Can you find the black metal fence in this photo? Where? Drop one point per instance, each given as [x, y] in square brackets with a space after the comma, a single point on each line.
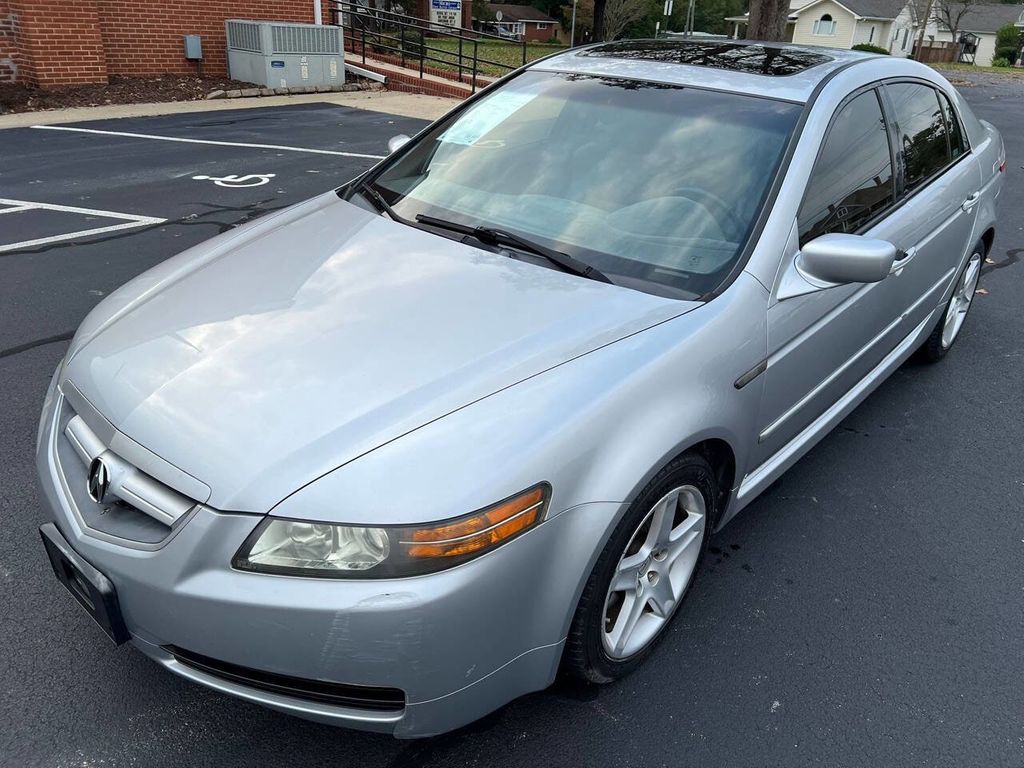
[407, 38]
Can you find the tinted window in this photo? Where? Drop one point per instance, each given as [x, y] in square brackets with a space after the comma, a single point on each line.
[852, 180]
[656, 185]
[922, 147]
[957, 143]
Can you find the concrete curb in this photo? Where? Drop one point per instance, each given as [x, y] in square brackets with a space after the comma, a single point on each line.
[405, 104]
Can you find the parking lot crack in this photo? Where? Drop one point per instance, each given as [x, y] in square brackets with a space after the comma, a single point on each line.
[10, 351]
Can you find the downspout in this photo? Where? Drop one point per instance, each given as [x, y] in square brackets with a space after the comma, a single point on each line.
[318, 12]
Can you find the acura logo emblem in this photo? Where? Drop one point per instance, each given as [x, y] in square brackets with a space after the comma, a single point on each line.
[99, 480]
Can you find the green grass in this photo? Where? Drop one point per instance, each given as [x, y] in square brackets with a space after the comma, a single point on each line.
[509, 54]
[1011, 71]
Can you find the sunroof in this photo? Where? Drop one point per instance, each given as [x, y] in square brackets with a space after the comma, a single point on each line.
[737, 57]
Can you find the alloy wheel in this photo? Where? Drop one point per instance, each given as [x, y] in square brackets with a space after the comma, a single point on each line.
[653, 572]
[963, 295]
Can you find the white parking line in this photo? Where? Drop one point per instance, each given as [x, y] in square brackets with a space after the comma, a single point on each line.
[209, 141]
[130, 220]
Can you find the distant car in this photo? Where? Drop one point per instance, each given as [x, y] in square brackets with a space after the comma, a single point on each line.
[395, 456]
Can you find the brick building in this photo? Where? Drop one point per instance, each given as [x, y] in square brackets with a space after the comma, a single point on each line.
[57, 42]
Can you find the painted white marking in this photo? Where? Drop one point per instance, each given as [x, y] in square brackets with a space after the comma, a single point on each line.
[130, 220]
[238, 182]
[208, 141]
[16, 208]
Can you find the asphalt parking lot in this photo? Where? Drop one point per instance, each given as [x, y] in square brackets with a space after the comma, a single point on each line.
[868, 609]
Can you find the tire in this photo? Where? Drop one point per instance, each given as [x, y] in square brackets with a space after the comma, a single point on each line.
[947, 329]
[654, 565]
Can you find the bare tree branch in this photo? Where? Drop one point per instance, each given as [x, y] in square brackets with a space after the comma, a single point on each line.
[619, 14]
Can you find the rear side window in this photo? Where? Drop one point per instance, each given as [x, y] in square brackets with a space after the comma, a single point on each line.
[852, 180]
[957, 143]
[923, 145]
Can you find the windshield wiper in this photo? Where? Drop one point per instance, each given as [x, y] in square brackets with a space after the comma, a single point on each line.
[495, 236]
[378, 199]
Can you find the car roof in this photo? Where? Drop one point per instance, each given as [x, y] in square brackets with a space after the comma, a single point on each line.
[776, 70]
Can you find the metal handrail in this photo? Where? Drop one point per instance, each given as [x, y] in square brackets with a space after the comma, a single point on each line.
[345, 13]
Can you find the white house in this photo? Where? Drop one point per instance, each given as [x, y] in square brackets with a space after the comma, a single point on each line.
[984, 21]
[889, 24]
[836, 23]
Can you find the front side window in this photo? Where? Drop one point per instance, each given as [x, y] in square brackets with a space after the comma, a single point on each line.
[852, 179]
[922, 147]
[656, 185]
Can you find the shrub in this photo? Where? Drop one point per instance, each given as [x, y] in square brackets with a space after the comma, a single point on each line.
[869, 48]
[1007, 43]
[553, 40]
[1002, 61]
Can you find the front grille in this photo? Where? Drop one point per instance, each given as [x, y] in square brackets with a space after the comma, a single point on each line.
[338, 694]
[138, 508]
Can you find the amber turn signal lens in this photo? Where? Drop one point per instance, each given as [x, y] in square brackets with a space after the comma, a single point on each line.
[482, 530]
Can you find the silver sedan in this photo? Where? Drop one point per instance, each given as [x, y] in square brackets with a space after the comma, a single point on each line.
[399, 454]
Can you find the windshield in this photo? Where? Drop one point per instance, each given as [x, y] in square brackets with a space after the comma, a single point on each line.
[657, 186]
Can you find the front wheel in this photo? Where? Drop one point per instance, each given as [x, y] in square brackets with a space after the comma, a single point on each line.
[644, 572]
[952, 320]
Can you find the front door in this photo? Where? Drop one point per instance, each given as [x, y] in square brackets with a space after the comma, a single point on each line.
[821, 343]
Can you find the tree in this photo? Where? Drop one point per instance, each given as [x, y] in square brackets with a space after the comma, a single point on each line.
[768, 20]
[584, 19]
[597, 28]
[1008, 43]
[951, 15]
[619, 14]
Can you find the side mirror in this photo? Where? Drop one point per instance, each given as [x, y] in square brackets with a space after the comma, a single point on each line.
[395, 143]
[836, 258]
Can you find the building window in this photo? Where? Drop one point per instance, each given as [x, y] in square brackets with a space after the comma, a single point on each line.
[824, 26]
[906, 36]
[542, 26]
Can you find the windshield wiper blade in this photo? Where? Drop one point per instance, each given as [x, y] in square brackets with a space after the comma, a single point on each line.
[378, 199]
[495, 236]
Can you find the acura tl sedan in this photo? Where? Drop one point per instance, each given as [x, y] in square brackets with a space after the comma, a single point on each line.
[396, 455]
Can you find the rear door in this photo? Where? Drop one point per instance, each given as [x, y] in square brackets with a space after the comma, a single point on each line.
[940, 188]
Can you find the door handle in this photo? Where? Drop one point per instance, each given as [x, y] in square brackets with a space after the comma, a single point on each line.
[971, 201]
[902, 259]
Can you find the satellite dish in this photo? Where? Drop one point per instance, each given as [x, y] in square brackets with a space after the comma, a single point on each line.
[497, 15]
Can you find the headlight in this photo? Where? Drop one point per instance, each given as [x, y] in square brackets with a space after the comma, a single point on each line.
[302, 548]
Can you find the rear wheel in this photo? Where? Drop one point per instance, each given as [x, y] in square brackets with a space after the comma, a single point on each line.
[644, 572]
[948, 328]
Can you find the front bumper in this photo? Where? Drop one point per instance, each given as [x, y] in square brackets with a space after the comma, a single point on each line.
[458, 643]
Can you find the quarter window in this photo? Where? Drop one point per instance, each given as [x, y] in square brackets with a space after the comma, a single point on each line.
[922, 148]
[852, 180]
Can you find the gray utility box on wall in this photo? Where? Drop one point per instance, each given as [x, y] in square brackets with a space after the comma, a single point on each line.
[277, 55]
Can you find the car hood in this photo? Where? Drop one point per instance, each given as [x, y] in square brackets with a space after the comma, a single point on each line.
[270, 356]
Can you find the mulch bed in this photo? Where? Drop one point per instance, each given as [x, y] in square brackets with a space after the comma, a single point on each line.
[15, 97]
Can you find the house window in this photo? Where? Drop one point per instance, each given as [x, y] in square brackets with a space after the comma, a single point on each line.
[542, 26]
[824, 26]
[906, 36]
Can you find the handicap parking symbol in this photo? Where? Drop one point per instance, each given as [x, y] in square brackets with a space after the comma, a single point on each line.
[238, 182]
